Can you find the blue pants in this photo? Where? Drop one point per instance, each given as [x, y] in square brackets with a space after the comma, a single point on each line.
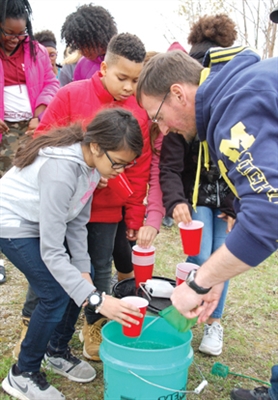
[214, 235]
[53, 320]
[273, 390]
[101, 239]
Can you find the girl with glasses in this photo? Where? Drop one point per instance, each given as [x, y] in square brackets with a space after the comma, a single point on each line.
[45, 237]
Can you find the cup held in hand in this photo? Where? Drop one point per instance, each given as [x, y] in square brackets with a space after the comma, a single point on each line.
[142, 304]
[191, 237]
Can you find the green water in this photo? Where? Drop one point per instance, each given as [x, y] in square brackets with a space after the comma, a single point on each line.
[146, 345]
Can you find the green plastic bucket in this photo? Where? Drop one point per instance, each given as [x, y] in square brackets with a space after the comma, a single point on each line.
[151, 367]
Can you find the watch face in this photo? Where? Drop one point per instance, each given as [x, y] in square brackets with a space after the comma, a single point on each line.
[94, 299]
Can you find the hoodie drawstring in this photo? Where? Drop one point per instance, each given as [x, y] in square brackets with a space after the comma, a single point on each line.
[203, 145]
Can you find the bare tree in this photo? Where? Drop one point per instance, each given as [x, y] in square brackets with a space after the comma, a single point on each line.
[251, 17]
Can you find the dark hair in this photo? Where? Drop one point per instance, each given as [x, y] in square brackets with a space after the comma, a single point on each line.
[45, 38]
[211, 31]
[125, 45]
[111, 129]
[89, 27]
[166, 69]
[17, 9]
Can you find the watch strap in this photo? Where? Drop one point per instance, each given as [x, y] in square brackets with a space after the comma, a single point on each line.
[193, 285]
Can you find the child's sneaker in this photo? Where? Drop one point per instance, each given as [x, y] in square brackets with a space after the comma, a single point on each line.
[212, 341]
[29, 386]
[69, 366]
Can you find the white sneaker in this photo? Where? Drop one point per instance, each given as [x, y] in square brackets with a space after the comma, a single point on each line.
[212, 341]
[29, 386]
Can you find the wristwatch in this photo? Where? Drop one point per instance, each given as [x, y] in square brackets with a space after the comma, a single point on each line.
[95, 299]
[190, 281]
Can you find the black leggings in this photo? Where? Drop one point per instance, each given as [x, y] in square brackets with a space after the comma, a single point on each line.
[122, 250]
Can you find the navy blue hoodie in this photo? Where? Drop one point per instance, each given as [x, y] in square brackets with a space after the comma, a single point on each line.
[237, 114]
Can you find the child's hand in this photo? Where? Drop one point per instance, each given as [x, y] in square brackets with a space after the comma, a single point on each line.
[3, 127]
[146, 236]
[117, 310]
[102, 183]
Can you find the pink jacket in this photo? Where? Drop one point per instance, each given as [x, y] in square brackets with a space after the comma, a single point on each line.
[41, 82]
[155, 210]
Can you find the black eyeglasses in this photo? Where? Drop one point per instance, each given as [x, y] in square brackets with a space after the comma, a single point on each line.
[115, 165]
[155, 119]
[13, 36]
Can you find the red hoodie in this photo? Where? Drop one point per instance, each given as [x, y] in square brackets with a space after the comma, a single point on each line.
[80, 101]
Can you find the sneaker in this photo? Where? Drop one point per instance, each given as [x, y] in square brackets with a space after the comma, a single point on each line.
[168, 222]
[25, 322]
[69, 366]
[29, 386]
[2, 272]
[260, 393]
[91, 336]
[212, 341]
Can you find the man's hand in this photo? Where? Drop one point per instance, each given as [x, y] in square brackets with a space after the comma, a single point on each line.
[191, 305]
[181, 213]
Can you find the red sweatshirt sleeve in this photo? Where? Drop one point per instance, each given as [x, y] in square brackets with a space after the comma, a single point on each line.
[139, 178]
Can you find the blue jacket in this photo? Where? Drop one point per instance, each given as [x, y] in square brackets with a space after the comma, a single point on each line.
[237, 114]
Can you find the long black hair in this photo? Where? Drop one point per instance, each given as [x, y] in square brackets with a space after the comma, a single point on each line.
[17, 9]
[112, 129]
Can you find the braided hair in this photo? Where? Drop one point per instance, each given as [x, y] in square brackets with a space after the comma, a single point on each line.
[16, 9]
[89, 27]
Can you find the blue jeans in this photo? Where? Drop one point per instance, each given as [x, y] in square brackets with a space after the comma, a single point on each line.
[101, 239]
[31, 302]
[53, 320]
[273, 390]
[214, 235]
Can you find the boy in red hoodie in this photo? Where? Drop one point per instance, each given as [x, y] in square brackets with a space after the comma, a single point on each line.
[114, 85]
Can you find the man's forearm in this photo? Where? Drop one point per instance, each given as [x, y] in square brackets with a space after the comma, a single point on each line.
[221, 266]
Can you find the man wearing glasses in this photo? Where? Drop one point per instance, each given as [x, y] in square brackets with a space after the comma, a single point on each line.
[232, 105]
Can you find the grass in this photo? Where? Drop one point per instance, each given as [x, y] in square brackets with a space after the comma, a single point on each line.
[250, 328]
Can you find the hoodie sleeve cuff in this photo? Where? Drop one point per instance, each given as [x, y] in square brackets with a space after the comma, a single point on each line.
[245, 247]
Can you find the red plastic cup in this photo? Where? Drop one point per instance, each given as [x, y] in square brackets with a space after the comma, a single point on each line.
[182, 270]
[143, 264]
[121, 186]
[142, 304]
[139, 251]
[191, 237]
